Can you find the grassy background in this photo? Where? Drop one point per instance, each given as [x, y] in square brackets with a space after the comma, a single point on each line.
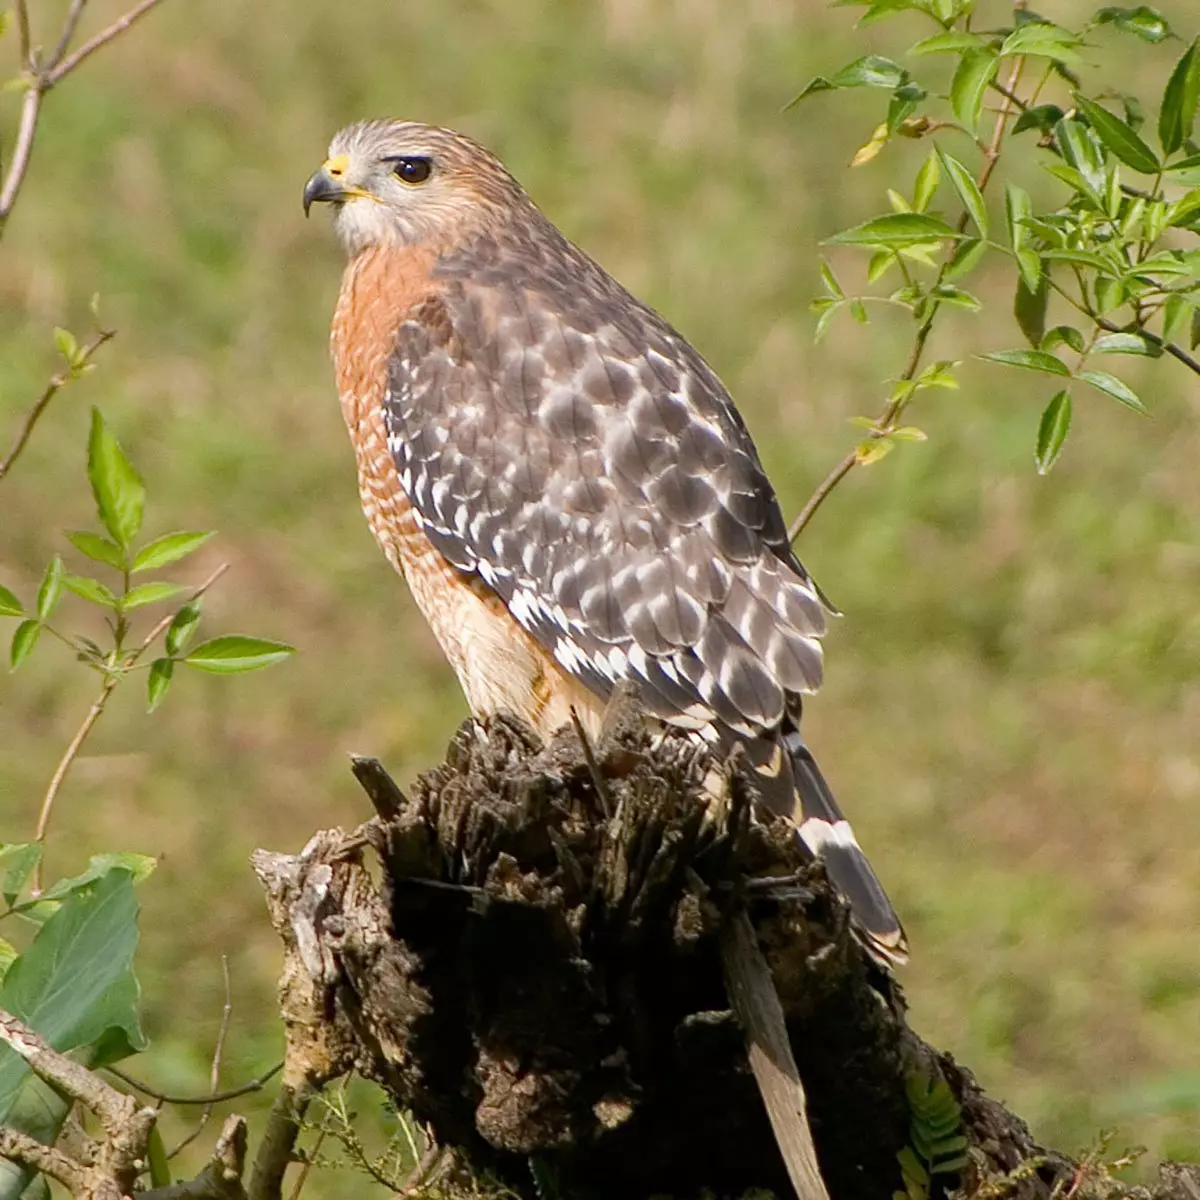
[1012, 701]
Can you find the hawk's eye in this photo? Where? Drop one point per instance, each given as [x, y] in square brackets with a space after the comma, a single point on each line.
[411, 169]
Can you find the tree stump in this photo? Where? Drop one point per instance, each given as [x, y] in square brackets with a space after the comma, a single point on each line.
[526, 953]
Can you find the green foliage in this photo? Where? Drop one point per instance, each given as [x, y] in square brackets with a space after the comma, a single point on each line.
[120, 498]
[74, 985]
[1121, 256]
[937, 1144]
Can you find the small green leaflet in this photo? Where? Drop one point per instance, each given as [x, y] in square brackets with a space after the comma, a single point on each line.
[967, 189]
[24, 639]
[1143, 22]
[50, 589]
[120, 495]
[1110, 385]
[1181, 96]
[868, 71]
[1030, 360]
[149, 593]
[98, 549]
[168, 549]
[17, 861]
[1118, 137]
[10, 606]
[896, 229]
[1052, 431]
[235, 653]
[975, 71]
[157, 682]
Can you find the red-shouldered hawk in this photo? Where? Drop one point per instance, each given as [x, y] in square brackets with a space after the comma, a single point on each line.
[564, 482]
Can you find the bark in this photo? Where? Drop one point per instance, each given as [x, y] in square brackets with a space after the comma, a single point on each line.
[527, 953]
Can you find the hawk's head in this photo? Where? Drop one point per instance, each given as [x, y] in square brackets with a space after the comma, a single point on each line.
[402, 183]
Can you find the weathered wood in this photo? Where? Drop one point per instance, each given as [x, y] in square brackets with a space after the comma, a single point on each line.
[752, 993]
[534, 967]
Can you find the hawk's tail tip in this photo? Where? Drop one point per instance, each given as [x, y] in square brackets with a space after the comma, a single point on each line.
[825, 831]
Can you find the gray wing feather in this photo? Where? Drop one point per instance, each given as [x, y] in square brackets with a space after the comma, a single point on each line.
[562, 441]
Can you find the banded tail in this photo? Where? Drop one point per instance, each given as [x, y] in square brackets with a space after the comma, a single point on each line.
[825, 831]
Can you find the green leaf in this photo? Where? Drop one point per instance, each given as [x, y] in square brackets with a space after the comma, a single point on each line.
[158, 681]
[1029, 264]
[975, 71]
[1177, 114]
[1126, 343]
[1118, 137]
[1043, 40]
[91, 590]
[51, 588]
[149, 593]
[868, 71]
[948, 294]
[952, 41]
[831, 281]
[1176, 312]
[98, 549]
[120, 495]
[24, 639]
[168, 549]
[137, 866]
[1052, 432]
[10, 606]
[1017, 208]
[17, 861]
[873, 450]
[928, 178]
[1030, 360]
[233, 653]
[1063, 335]
[75, 984]
[1110, 385]
[967, 256]
[967, 189]
[1143, 22]
[895, 229]
[68, 347]
[8, 954]
[1042, 117]
[1082, 152]
[1029, 307]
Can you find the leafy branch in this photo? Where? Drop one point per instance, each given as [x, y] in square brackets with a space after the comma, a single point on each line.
[1109, 253]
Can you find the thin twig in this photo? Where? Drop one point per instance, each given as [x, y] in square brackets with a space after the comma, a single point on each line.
[42, 79]
[254, 1085]
[991, 154]
[214, 1075]
[115, 675]
[56, 384]
[31, 106]
[68, 32]
[105, 36]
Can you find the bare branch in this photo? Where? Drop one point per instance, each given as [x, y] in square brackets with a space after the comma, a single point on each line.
[221, 1179]
[56, 384]
[31, 1153]
[68, 32]
[114, 1108]
[22, 149]
[278, 1142]
[118, 27]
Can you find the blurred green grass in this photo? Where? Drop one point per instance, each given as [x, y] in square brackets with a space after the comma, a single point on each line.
[1012, 700]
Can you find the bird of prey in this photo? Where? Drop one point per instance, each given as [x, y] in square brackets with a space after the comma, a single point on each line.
[564, 483]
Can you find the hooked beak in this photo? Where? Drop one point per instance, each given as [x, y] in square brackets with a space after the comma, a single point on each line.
[325, 185]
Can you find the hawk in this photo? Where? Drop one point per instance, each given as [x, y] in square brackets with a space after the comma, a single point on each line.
[564, 483]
